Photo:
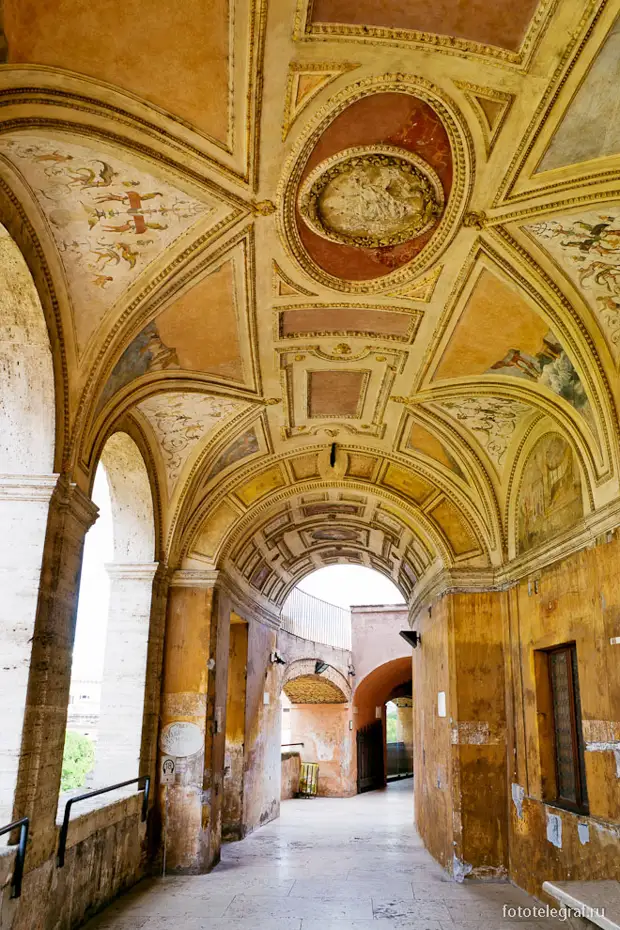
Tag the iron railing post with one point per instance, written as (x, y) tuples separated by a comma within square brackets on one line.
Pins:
[(20, 858), (144, 784)]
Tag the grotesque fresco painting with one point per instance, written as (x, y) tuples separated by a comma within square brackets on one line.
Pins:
[(590, 127), (240, 448), (550, 498), (499, 334), (108, 219), (587, 247), (180, 421), (492, 420)]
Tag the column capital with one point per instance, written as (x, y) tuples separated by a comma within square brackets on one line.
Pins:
[(69, 497), (27, 487), (190, 578), (134, 571)]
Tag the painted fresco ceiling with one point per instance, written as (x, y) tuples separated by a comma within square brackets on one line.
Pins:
[(349, 273)]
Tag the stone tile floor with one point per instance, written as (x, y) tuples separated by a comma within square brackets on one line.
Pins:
[(350, 864)]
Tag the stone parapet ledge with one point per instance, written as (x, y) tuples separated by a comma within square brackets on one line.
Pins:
[(89, 817), (7, 863)]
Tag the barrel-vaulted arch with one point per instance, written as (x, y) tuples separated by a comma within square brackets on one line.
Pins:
[(270, 530), (424, 496), (304, 685)]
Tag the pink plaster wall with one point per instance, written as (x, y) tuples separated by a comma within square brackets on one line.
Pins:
[(324, 731), (374, 632)]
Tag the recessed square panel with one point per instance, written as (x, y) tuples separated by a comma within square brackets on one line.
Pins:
[(336, 393), (348, 321)]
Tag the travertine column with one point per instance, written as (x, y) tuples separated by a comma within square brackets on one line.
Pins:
[(71, 513), (193, 720), (124, 673), (24, 506)]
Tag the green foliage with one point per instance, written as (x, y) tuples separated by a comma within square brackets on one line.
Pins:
[(391, 727), (77, 761)]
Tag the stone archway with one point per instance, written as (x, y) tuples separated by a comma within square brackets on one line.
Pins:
[(27, 440)]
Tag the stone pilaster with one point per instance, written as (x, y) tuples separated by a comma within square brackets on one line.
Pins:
[(24, 507), (124, 672), (193, 720), (71, 514)]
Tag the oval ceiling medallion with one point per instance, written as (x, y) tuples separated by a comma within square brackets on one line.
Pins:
[(376, 187), (371, 197)]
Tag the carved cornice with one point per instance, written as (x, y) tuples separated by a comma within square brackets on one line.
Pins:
[(194, 578), (131, 571), (37, 488)]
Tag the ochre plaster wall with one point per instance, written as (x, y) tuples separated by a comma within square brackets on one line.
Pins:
[(432, 747), (263, 731), (485, 795), (232, 804), (578, 600)]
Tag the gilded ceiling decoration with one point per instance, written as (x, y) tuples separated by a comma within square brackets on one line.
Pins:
[(347, 272)]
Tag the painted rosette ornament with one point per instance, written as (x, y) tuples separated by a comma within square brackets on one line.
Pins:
[(371, 197)]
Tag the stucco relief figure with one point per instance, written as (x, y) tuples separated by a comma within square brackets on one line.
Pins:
[(372, 197)]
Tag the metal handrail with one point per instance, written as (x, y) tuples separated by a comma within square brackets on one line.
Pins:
[(64, 830), (20, 858), (285, 745)]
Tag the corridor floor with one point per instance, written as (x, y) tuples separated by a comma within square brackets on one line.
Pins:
[(350, 864)]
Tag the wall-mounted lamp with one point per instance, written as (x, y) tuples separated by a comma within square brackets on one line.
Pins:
[(276, 659), (412, 637), (320, 667)]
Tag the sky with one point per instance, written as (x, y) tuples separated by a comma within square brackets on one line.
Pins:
[(348, 585), (92, 617)]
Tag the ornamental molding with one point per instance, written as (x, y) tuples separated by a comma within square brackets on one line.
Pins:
[(462, 150)]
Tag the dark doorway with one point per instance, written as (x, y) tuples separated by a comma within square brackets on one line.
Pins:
[(370, 757)]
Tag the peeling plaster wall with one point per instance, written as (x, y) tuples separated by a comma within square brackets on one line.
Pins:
[(460, 757), (577, 600), (262, 772), (328, 741), (432, 736), (232, 804), (291, 767)]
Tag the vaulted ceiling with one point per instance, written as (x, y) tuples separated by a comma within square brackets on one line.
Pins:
[(348, 272)]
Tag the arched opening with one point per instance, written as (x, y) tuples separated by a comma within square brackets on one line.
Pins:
[(316, 710), (27, 430), (349, 617), (109, 671), (382, 754)]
